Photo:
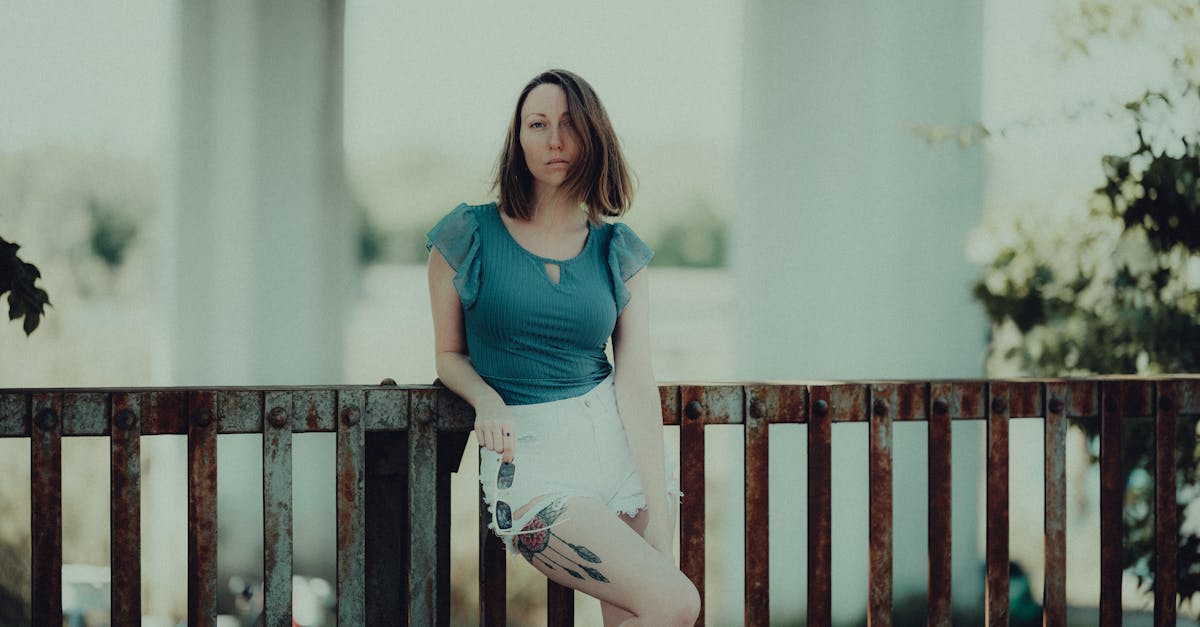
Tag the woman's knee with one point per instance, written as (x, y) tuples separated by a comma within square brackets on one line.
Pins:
[(679, 606), (687, 605)]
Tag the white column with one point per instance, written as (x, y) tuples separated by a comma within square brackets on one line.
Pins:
[(259, 262), (261, 233), (849, 241)]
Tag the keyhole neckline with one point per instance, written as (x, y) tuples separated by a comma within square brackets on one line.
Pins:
[(587, 242)]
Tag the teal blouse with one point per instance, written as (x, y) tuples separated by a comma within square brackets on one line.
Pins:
[(531, 339)]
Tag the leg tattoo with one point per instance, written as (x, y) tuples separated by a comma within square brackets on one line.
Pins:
[(534, 541)]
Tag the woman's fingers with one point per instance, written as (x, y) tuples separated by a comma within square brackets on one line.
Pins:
[(510, 445), (484, 435), (497, 436)]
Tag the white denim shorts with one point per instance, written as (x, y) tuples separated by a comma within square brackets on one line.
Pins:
[(571, 447)]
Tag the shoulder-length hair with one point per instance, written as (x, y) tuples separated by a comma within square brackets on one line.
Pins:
[(599, 178)]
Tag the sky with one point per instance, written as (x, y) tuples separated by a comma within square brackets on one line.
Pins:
[(449, 72), (85, 72), (446, 74), (431, 73)]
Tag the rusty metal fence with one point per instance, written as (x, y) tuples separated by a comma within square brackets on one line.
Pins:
[(396, 448)]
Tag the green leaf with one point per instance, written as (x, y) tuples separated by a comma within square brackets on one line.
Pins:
[(16, 306)]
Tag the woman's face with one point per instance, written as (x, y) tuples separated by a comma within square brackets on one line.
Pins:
[(547, 136)]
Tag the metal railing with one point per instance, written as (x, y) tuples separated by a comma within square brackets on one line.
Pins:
[(397, 445)]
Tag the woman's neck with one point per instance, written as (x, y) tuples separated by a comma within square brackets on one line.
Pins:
[(554, 210)]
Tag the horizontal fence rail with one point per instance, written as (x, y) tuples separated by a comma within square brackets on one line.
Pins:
[(397, 445)]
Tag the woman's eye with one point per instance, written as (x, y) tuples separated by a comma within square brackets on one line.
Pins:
[(537, 125)]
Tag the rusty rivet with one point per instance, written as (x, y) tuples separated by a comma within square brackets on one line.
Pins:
[(880, 407), (941, 407), (125, 419), (1056, 405), (999, 406), (694, 410), (46, 419), (277, 417), (350, 416), (1166, 402), (758, 409), (821, 408), (203, 418)]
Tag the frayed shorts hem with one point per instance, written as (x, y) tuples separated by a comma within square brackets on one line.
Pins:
[(574, 447)]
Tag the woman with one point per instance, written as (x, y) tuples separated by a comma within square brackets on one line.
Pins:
[(525, 294)]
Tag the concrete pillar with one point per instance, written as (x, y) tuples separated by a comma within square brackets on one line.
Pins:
[(259, 249), (261, 229), (848, 247)]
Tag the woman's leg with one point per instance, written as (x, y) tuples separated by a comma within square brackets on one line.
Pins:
[(591, 550), (612, 614)]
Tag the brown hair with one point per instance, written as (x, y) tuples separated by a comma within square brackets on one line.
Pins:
[(598, 179)]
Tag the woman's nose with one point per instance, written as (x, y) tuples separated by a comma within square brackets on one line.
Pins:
[(555, 138)]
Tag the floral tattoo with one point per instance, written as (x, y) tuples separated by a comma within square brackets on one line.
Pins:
[(534, 543)]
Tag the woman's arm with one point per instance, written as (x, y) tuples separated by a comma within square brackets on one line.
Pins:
[(640, 408), (494, 427)]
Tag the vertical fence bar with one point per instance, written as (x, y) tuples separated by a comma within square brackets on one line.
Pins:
[(940, 487), (452, 444), (46, 501), (387, 422), (880, 506), (125, 503), (560, 604), (691, 518), (762, 405), (1112, 502), (386, 559), (1054, 596), (422, 510), (202, 509), (1166, 524), (277, 510), (351, 499), (996, 600), (492, 577), (820, 506)]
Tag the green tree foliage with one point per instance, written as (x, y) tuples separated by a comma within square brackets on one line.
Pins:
[(111, 234), (372, 241), (1116, 289), (18, 279), (697, 241)]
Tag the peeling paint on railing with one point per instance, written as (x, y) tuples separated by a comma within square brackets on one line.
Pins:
[(396, 446)]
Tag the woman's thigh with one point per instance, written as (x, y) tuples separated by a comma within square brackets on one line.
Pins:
[(612, 614), (592, 550)]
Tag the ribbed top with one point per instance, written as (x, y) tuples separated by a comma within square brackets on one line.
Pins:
[(531, 339)]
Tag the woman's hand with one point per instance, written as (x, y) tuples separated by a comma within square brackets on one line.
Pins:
[(495, 430)]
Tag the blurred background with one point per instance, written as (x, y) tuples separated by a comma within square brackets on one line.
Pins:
[(236, 193)]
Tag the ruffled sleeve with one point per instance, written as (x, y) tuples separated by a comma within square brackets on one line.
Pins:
[(627, 254), (456, 237)]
